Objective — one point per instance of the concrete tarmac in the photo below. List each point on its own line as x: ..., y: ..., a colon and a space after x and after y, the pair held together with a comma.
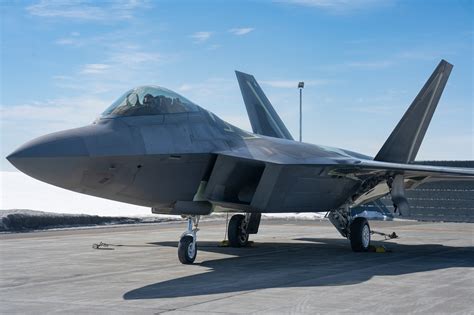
x: 293, y: 267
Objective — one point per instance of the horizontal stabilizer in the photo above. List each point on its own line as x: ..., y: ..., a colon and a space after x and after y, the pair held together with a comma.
x: 405, y: 140
x: 263, y: 117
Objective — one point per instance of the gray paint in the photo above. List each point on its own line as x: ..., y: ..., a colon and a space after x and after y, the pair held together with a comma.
x: 405, y: 140
x: 161, y: 161
x: 263, y: 117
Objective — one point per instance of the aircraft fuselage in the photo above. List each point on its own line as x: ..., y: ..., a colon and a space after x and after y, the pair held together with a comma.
x: 154, y: 161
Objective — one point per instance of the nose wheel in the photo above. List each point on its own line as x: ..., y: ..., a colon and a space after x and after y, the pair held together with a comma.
x: 187, y: 249
x: 187, y: 246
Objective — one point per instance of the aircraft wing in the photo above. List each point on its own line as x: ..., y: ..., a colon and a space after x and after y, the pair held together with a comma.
x: 413, y: 171
x: 262, y: 184
x: 353, y: 167
x: 380, y: 178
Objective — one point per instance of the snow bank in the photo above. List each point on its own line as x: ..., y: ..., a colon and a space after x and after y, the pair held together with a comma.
x: 19, y: 191
x: 66, y: 208
x: 295, y: 216
x: 23, y: 220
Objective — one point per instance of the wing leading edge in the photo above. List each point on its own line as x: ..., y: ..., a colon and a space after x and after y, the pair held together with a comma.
x: 256, y: 184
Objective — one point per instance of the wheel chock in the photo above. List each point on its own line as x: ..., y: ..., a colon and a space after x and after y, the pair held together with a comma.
x: 224, y: 243
x: 378, y: 249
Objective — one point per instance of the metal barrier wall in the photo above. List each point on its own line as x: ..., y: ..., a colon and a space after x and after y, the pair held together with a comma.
x: 451, y: 201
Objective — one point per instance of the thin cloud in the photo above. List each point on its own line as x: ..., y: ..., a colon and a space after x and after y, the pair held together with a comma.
x: 67, y: 42
x: 241, y: 31
x: 214, y: 47
x: 339, y: 6
x: 292, y: 84
x: 114, y: 71
x: 85, y: 10
x: 94, y: 68
x: 186, y: 87
x: 424, y: 54
x: 55, y: 113
x: 207, y: 87
x: 106, y: 41
x: 201, y: 37
x: 397, y: 58
x: 73, y: 39
x: 218, y: 89
x: 134, y: 57
x: 370, y: 64
x: 375, y: 109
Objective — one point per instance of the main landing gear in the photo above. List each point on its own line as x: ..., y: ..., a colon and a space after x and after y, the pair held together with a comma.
x: 239, y: 228
x: 237, y: 231
x: 357, y: 230
x: 360, y: 235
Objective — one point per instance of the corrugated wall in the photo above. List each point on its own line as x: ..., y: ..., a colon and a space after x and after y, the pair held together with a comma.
x: 436, y: 201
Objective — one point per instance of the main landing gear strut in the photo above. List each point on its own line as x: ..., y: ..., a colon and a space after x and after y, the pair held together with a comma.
x: 239, y: 229
x: 241, y: 226
x: 357, y: 230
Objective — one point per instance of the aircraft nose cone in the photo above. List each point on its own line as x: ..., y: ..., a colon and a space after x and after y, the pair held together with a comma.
x: 54, y: 145
x: 51, y: 158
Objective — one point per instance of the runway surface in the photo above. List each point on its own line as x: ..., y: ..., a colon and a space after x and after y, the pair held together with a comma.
x: 293, y: 267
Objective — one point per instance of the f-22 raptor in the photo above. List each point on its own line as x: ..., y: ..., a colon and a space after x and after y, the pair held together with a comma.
x: 155, y: 148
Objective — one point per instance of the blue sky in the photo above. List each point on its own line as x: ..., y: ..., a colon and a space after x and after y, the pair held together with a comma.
x: 64, y: 62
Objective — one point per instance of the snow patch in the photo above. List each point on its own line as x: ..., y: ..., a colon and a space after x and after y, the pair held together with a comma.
x: 19, y: 191
x: 24, y: 220
x: 296, y: 216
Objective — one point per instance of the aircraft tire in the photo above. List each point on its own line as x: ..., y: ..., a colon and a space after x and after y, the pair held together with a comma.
x: 360, y: 235
x: 238, y: 236
x: 187, y: 250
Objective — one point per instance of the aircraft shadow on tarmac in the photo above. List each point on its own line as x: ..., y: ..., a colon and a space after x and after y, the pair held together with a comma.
x: 307, y: 263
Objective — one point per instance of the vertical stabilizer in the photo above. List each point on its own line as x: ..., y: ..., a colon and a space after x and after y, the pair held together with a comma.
x: 405, y: 140
x: 263, y: 117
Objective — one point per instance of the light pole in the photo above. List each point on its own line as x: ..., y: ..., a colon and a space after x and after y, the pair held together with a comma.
x: 301, y: 86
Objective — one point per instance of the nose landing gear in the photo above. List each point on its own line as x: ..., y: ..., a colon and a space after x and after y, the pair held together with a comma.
x: 239, y: 229
x: 187, y: 247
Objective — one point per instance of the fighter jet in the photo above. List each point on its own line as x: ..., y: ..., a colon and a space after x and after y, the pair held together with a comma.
x: 155, y: 148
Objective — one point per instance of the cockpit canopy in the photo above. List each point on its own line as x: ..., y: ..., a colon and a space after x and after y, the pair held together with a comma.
x: 149, y: 100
